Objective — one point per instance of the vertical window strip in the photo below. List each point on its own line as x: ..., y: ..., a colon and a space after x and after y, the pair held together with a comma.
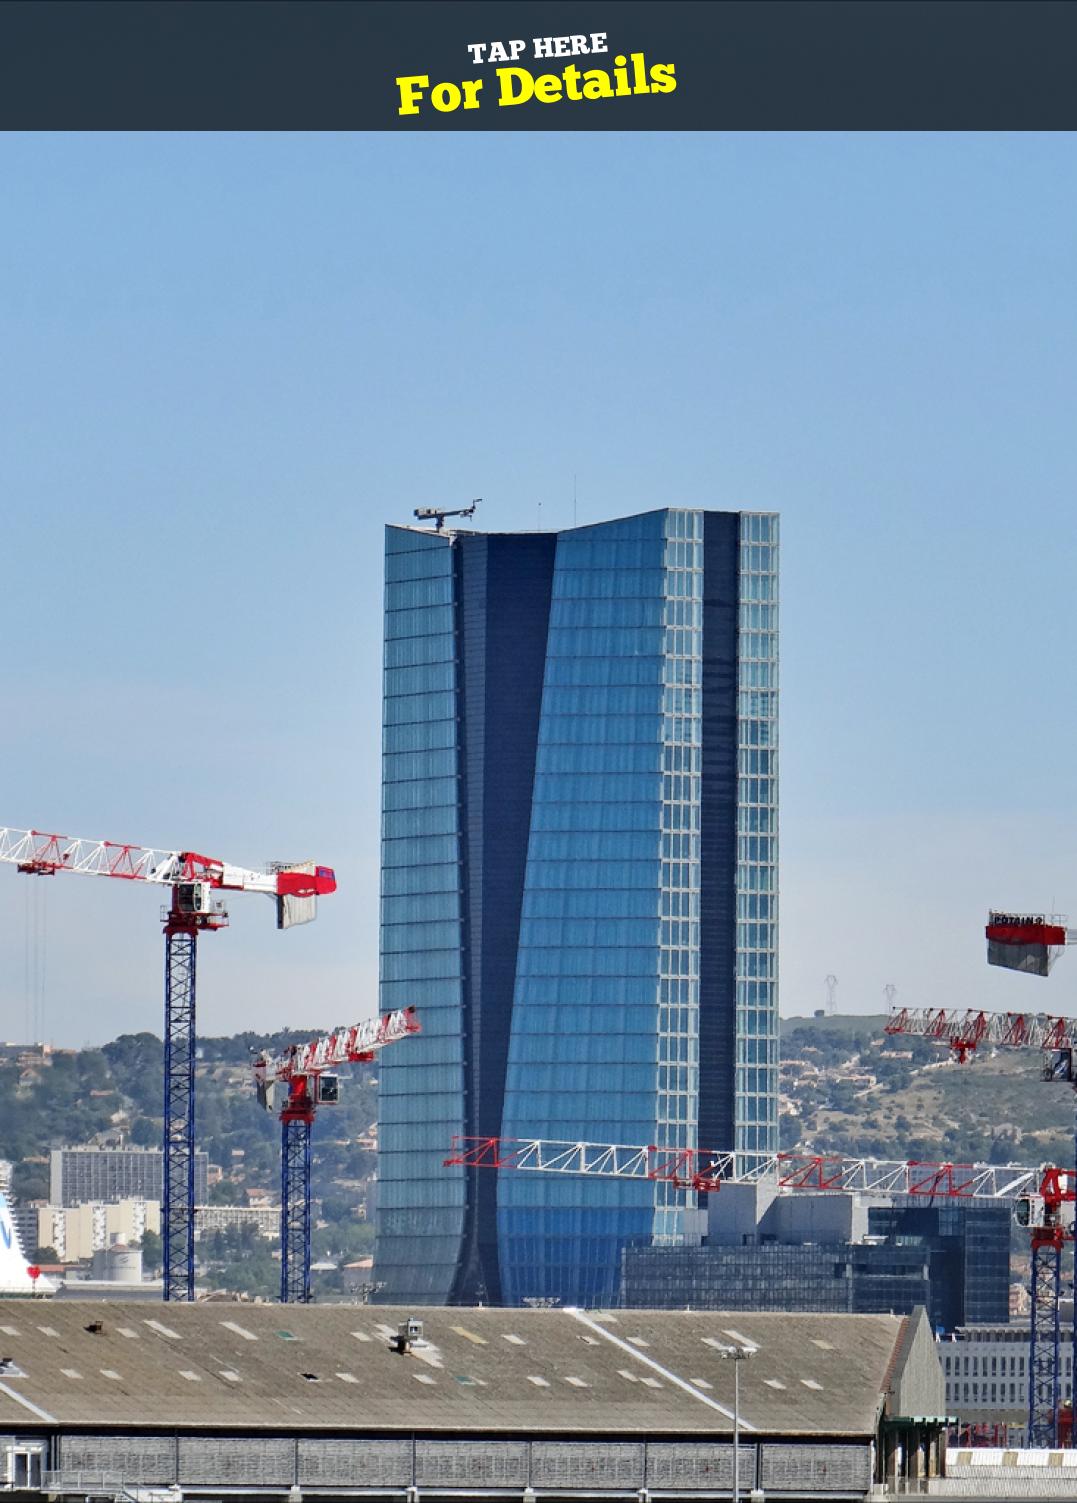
x: 757, y: 820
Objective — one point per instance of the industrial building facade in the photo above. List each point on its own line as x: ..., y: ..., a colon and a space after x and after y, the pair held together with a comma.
x: 579, y: 878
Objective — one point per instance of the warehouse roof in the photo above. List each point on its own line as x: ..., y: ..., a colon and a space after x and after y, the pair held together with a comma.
x: 331, y: 1367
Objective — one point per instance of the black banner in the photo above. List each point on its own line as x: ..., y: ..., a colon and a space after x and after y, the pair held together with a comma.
x: 521, y: 65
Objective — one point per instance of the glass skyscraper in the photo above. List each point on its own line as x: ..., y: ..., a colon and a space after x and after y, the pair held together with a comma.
x: 579, y: 878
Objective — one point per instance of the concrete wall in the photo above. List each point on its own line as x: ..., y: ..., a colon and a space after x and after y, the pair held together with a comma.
x: 736, y: 1211
x: 741, y: 1212
x: 917, y: 1386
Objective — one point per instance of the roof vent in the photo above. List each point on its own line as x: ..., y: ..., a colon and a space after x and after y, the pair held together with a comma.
x: 311, y: 1377
x: 408, y: 1332
x: 96, y: 1327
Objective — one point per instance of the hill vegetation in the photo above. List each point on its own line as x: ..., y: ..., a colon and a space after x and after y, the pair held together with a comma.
x: 114, y: 1095
x: 849, y: 1088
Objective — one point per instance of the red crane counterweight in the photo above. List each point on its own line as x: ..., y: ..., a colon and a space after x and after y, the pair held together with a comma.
x: 1029, y: 942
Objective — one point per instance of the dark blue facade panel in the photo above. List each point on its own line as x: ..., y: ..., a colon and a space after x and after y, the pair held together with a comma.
x: 718, y: 839
x: 504, y: 592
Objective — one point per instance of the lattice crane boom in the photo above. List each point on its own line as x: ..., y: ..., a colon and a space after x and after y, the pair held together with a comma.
x: 695, y: 1169
x: 304, y: 1069
x: 39, y: 854
x: 965, y: 1029
x: 193, y: 880
x: 345, y: 1046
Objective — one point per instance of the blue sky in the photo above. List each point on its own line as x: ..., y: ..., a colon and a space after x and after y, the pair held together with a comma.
x: 229, y: 360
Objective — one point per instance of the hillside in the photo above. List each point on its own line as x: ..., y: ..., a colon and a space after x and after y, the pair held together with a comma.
x: 847, y: 1087
x: 114, y: 1094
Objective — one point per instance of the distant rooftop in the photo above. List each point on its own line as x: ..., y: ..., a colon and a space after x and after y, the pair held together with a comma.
x: 265, y: 1367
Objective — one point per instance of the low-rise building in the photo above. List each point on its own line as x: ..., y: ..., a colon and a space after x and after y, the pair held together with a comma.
x: 767, y: 1249
x: 77, y: 1232
x: 323, y: 1402
x: 985, y: 1368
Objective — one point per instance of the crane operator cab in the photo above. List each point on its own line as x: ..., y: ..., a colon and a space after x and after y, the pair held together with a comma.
x: 327, y: 1090
x: 1058, y: 1065
x: 1030, y: 1211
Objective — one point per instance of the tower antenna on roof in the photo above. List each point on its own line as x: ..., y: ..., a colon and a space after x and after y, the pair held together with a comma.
x: 831, y: 984
x: 437, y: 514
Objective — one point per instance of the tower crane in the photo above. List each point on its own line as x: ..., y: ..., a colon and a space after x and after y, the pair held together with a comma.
x: 304, y: 1070
x: 1025, y: 943
x: 193, y: 909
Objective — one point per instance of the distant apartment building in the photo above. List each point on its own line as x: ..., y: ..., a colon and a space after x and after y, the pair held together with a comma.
x: 77, y: 1232
x: 110, y: 1174
x: 985, y: 1368
x: 264, y: 1219
x: 33, y: 1057
x: 24, y: 1220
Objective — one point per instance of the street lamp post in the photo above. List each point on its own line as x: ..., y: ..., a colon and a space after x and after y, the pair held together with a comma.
x: 736, y: 1355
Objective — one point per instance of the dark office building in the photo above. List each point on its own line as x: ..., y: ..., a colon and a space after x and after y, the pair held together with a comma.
x: 954, y: 1260
x: 969, y: 1246
x: 579, y: 885
x: 839, y: 1279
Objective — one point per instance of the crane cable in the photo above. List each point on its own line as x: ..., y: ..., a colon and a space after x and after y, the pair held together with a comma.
x: 35, y: 956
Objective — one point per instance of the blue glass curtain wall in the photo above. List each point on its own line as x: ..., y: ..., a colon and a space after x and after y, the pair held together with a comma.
x: 756, y: 1124
x: 420, y: 1204
x: 605, y: 1014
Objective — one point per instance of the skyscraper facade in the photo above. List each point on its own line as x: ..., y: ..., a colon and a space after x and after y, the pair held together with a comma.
x: 579, y: 878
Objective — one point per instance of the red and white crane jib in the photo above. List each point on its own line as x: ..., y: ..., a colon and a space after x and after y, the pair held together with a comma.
x: 964, y: 1030
x: 38, y: 853
x: 345, y: 1046
x: 694, y: 1169
x: 295, y: 887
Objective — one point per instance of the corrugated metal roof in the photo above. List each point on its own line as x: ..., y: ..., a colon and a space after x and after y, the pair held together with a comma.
x: 330, y: 1367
